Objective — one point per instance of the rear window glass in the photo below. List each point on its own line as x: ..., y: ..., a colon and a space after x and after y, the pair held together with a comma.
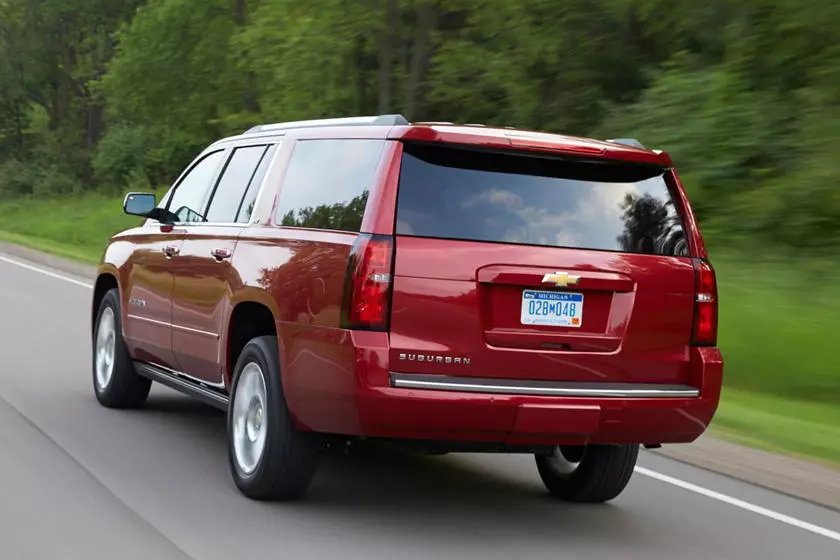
x: 455, y: 193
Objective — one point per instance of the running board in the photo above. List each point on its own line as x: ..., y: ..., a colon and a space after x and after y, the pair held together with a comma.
x: 183, y: 385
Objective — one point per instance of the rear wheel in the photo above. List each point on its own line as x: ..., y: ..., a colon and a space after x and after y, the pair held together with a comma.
x: 594, y: 473
x: 115, y: 382
x: 270, y: 459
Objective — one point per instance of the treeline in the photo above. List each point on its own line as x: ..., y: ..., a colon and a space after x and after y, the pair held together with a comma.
x: 116, y: 94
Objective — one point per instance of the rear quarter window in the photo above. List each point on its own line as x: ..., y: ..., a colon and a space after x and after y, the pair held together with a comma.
x: 327, y: 184
x: 501, y: 197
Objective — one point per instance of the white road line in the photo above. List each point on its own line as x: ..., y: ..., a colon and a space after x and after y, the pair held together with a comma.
x: 788, y: 520
x: 46, y: 272
x: 792, y: 521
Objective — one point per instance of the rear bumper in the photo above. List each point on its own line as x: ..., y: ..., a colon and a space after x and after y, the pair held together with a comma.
x: 380, y: 403
x: 417, y: 414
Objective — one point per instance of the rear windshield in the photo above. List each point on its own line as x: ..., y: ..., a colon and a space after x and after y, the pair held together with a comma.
x: 456, y: 193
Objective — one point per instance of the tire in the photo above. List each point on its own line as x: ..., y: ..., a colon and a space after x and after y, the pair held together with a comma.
x: 593, y: 474
x: 115, y: 381
x: 269, y: 458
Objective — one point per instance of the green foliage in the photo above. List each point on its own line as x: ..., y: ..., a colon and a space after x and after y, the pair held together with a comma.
x: 171, y: 70
x: 123, y: 150
x: 744, y: 95
x: 16, y: 179
x: 753, y: 131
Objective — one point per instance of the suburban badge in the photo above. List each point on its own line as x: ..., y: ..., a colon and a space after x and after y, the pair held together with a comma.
x: 435, y: 358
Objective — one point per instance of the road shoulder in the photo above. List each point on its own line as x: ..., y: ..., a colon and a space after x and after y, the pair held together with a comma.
x: 35, y: 257
x: 795, y: 477
x: 791, y: 476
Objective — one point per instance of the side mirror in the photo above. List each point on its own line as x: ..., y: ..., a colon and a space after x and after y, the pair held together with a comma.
x: 139, y: 204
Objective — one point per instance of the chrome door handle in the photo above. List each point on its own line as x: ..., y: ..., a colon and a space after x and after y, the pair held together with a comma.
x: 221, y: 254
x: 170, y: 251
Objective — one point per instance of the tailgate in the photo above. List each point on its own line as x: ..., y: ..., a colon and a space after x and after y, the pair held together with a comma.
x: 527, y: 267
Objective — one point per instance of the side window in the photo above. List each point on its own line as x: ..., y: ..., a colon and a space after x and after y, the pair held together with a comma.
x: 234, y: 182
x: 246, y: 207
x: 187, y: 201
x: 327, y: 184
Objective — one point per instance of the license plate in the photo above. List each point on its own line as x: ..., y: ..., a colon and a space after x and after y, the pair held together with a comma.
x: 555, y: 309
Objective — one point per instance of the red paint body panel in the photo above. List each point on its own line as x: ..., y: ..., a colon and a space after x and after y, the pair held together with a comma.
x: 637, y: 326
x: 147, y: 282
x: 303, y: 273
x: 200, y: 302
x: 454, y: 298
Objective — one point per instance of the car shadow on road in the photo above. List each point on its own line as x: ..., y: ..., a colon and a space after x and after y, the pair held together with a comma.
x: 490, y: 496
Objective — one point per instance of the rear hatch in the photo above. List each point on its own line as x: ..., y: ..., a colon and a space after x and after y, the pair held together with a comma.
x: 530, y: 266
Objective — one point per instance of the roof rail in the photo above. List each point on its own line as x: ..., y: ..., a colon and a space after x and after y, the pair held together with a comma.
x: 627, y: 142
x: 381, y: 120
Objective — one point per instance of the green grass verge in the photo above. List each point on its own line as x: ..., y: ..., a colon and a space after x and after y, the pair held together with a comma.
x: 777, y: 328
x: 73, y: 227
x: 802, y: 429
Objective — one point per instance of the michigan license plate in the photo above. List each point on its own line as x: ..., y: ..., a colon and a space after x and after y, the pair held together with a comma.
x: 554, y: 309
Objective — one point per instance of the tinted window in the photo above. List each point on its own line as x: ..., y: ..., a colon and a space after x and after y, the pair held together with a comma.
x: 188, y: 200
x: 247, y: 205
x: 328, y: 182
x: 233, y: 184
x: 471, y: 195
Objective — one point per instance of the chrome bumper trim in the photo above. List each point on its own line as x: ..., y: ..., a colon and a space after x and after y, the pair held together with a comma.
x: 541, y: 388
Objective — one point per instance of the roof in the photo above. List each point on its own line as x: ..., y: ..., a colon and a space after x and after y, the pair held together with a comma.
x: 399, y: 128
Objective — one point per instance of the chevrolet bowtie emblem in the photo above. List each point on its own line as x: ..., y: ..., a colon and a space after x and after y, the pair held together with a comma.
x: 561, y: 279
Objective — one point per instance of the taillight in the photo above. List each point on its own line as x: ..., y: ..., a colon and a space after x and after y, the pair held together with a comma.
x: 705, y: 305
x: 367, y: 287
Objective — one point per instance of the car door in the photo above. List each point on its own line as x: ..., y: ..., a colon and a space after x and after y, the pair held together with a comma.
x: 150, y: 268
x: 200, y: 302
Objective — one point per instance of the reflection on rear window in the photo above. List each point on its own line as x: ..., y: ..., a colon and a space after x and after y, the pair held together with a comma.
x: 456, y: 193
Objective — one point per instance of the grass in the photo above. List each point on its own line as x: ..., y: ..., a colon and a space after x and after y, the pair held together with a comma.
x: 73, y: 227
x: 778, y: 324
x: 798, y: 428
x: 777, y: 327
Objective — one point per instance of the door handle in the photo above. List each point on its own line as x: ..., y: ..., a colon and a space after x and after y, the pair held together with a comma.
x: 221, y: 254
x: 170, y: 251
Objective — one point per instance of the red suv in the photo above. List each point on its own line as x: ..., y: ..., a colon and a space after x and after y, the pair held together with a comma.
x: 451, y: 288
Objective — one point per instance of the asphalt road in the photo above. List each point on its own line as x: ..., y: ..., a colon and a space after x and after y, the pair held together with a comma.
x: 80, y: 481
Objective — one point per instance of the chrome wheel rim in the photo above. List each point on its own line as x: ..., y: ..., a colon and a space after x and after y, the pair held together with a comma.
x: 106, y: 344
x: 250, y: 421
x: 564, y: 464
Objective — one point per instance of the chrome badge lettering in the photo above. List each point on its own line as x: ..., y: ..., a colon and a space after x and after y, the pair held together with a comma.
x: 434, y: 358
x: 137, y: 302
